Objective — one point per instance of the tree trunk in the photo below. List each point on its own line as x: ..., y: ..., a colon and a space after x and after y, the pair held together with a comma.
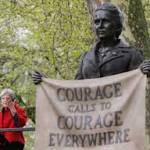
x: 92, y: 5
x: 138, y: 25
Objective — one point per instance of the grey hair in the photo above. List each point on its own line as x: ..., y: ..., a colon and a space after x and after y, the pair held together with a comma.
x: 8, y: 91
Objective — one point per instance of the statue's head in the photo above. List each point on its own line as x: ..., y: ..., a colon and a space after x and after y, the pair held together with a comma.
x: 108, y: 21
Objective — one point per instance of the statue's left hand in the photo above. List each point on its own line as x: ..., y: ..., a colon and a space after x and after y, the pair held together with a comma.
x: 145, y: 67
x: 37, y: 77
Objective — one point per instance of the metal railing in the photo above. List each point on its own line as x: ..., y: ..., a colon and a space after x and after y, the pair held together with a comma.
x: 16, y: 129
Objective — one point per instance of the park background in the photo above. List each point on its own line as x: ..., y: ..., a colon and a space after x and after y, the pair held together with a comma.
x: 50, y: 36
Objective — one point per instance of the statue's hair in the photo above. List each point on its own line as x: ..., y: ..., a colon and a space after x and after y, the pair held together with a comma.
x: 8, y: 91
x: 116, y: 14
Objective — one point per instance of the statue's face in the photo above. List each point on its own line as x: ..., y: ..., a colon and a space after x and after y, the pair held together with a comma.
x: 104, y: 25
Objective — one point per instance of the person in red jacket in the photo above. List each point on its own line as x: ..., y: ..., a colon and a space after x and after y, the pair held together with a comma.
x: 11, y: 116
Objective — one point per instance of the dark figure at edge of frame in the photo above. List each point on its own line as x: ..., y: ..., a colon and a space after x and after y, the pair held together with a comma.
x: 11, y: 116
x: 109, y: 55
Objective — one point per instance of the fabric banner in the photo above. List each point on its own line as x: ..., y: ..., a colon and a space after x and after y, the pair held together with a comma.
x: 94, y: 114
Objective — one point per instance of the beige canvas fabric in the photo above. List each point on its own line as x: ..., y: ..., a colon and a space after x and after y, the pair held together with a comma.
x: 95, y: 114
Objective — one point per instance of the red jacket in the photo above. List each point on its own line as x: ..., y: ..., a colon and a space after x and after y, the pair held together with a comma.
x: 6, y: 121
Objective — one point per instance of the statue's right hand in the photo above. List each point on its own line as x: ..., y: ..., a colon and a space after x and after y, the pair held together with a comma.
x: 145, y: 67
x: 37, y: 77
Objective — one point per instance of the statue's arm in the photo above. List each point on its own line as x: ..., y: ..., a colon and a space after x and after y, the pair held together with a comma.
x: 79, y: 74
x: 136, y: 59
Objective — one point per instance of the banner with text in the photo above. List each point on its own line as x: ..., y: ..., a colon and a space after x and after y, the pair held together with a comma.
x: 94, y: 114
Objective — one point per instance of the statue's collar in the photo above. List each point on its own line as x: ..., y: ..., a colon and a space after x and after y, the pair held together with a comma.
x: 121, y: 44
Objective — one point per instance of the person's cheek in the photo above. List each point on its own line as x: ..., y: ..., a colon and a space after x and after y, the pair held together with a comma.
x: 4, y: 103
